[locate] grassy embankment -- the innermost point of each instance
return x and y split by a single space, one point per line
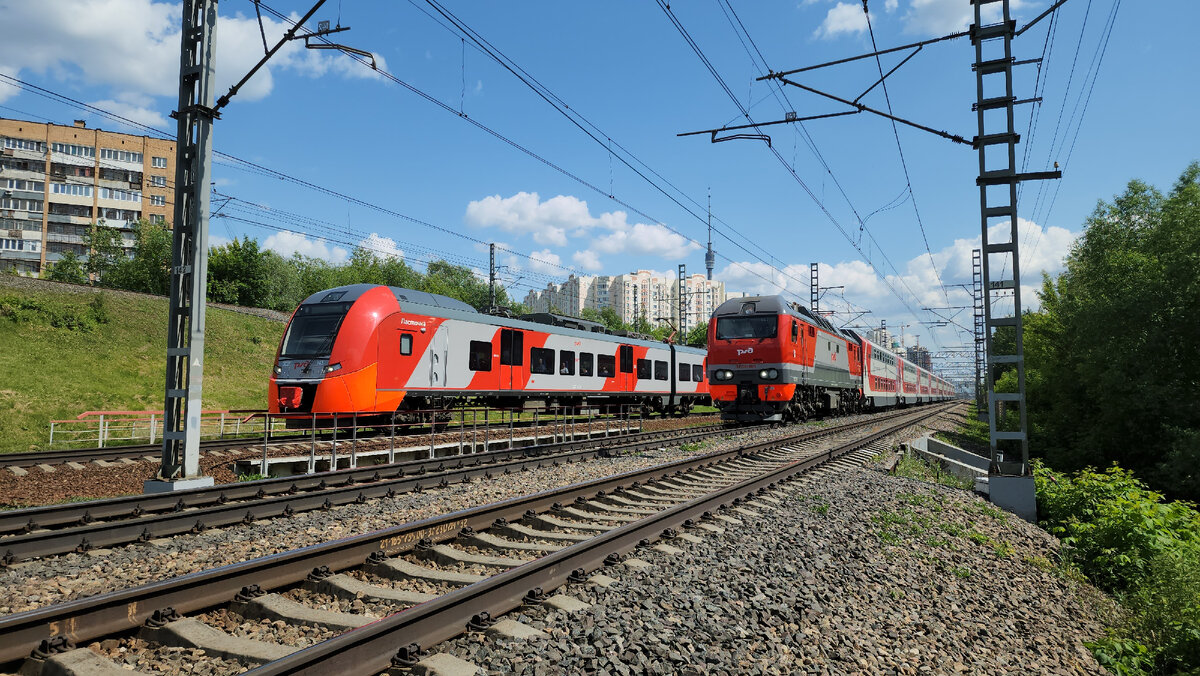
66 353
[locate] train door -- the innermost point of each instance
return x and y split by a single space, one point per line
438 353
512 351
625 378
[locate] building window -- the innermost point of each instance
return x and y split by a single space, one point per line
120 155
660 370
158 162
20 204
158 200
121 195
606 365
480 357
405 344
159 181
74 149
24 144
685 372
566 363
31 186
643 369
585 364
158 218
541 360
71 189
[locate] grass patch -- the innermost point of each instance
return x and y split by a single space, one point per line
251 477
911 466
961 572
972 434
693 446
74 352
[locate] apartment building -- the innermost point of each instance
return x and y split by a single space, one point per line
643 293
57 180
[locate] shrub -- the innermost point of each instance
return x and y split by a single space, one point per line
57 314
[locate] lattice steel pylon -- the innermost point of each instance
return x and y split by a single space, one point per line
814 289
189 248
683 300
994 61
977 296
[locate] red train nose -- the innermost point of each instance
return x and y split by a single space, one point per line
289 397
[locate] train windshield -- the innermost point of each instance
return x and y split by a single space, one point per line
313 329
760 326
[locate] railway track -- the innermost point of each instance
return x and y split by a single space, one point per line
57 529
84 456
544 540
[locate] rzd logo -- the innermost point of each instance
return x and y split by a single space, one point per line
748 350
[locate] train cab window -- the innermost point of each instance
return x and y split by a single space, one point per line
566 363
541 360
585 364
697 373
606 365
660 370
643 369
812 332
626 359
684 371
480 356
512 347
406 344
795 331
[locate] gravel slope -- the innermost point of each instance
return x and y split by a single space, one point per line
892 577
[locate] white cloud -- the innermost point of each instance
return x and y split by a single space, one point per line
891 5
134 107
132 47
288 243
552 221
545 261
384 247
939 17
588 260
842 18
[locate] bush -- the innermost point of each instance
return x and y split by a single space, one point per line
57 314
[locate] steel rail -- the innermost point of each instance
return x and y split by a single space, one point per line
370 648
142 517
123 610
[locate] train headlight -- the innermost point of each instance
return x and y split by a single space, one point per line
768 374
278 369
724 375
333 367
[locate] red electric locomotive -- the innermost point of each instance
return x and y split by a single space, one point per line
370 349
771 360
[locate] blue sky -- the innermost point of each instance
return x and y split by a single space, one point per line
323 118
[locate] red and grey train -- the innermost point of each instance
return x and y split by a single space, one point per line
771 360
378 351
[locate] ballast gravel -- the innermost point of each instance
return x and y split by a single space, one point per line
34 584
858 572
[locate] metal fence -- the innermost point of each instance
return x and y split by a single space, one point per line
102 429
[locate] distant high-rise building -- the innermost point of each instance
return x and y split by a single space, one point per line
57 180
920 356
637 294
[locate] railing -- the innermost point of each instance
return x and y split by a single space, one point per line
124 428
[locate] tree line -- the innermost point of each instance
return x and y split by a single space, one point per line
1113 355
242 273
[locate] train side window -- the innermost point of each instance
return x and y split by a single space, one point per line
812 332
585 364
626 359
541 360
643 369
795 331
606 365
697 373
566 363
406 344
684 371
660 370
512 347
480 356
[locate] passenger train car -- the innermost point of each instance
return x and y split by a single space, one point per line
770 360
378 351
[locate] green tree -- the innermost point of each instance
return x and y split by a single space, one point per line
68 269
106 250
237 273
697 336
149 269
1112 372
